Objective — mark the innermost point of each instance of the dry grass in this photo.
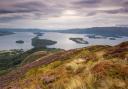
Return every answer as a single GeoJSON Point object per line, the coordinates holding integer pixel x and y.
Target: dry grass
{"type": "Point", "coordinates": [86, 69]}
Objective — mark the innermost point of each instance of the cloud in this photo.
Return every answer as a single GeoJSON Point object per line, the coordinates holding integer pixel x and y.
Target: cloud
{"type": "Point", "coordinates": [44, 10]}
{"type": "Point", "coordinates": [89, 1]}
{"type": "Point", "coordinates": [32, 6]}
{"type": "Point", "coordinates": [8, 19]}
{"type": "Point", "coordinates": [37, 8]}
{"type": "Point", "coordinates": [56, 7]}
{"type": "Point", "coordinates": [94, 7]}
{"type": "Point", "coordinates": [116, 11]}
{"type": "Point", "coordinates": [23, 7]}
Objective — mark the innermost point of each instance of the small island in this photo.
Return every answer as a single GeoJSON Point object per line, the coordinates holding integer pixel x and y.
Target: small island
{"type": "Point", "coordinates": [20, 41]}
{"type": "Point", "coordinates": [38, 33]}
{"type": "Point", "coordinates": [112, 38]}
{"type": "Point", "coordinates": [79, 40]}
{"type": "Point", "coordinates": [96, 37]}
{"type": "Point", "coordinates": [41, 43]}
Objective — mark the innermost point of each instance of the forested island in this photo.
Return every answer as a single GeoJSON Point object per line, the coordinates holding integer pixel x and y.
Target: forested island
{"type": "Point", "coordinates": [37, 42]}
{"type": "Point", "coordinates": [96, 37]}
{"type": "Point", "coordinates": [79, 40]}
{"type": "Point", "coordinates": [112, 38]}
{"type": "Point", "coordinates": [19, 41]}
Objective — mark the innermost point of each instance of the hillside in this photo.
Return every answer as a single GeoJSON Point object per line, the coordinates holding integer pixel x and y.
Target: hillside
{"type": "Point", "coordinates": [103, 31]}
{"type": "Point", "coordinates": [3, 33]}
{"type": "Point", "coordinates": [94, 67]}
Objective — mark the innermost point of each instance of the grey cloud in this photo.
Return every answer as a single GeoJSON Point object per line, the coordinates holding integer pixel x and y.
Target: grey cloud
{"type": "Point", "coordinates": [8, 19]}
{"type": "Point", "coordinates": [23, 8]}
{"type": "Point", "coordinates": [7, 11]}
{"type": "Point", "coordinates": [44, 9]}
{"type": "Point", "coordinates": [90, 7]}
{"type": "Point", "coordinates": [91, 13]}
{"type": "Point", "coordinates": [37, 8]}
{"type": "Point", "coordinates": [116, 11]}
{"type": "Point", "coordinates": [88, 2]}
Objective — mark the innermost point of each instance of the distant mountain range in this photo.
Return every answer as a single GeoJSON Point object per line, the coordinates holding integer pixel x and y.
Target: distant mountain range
{"type": "Point", "coordinates": [21, 30]}
{"type": "Point", "coordinates": [103, 31]}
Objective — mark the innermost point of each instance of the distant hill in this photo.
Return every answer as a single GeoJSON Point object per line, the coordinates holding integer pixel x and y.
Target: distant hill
{"type": "Point", "coordinates": [3, 33]}
{"type": "Point", "coordinates": [21, 30]}
{"type": "Point", "coordinates": [104, 31]}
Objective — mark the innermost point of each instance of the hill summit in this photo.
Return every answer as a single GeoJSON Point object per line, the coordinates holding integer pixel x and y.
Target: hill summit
{"type": "Point", "coordinates": [93, 67]}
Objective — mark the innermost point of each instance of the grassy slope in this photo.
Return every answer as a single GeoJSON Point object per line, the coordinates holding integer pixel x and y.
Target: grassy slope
{"type": "Point", "coordinates": [96, 67]}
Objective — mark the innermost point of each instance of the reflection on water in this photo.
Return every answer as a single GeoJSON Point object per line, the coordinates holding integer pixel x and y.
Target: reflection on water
{"type": "Point", "coordinates": [63, 42]}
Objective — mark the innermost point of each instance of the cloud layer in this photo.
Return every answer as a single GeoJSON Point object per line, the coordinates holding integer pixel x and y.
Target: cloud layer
{"type": "Point", "coordinates": [57, 13]}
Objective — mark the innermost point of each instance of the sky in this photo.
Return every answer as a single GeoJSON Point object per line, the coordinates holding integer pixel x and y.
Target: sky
{"type": "Point", "coordinates": [62, 14]}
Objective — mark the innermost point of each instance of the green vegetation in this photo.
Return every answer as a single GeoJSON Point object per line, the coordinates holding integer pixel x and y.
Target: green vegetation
{"type": "Point", "coordinates": [14, 58]}
{"type": "Point", "coordinates": [9, 59]}
{"type": "Point", "coordinates": [94, 67]}
{"type": "Point", "coordinates": [79, 40]}
{"type": "Point", "coordinates": [34, 56]}
{"type": "Point", "coordinates": [38, 43]}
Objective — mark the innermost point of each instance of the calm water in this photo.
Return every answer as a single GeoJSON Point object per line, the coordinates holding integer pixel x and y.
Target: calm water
{"type": "Point", "coordinates": [9, 41]}
{"type": "Point", "coordinates": [63, 42]}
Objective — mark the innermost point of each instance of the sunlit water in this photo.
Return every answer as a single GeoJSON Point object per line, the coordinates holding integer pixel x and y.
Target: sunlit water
{"type": "Point", "coordinates": [63, 42]}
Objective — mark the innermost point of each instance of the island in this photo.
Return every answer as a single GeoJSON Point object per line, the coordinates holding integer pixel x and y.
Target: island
{"type": "Point", "coordinates": [112, 38]}
{"type": "Point", "coordinates": [79, 40]}
{"type": "Point", "coordinates": [96, 37]}
{"type": "Point", "coordinates": [20, 41]}
{"type": "Point", "coordinates": [38, 33]}
{"type": "Point", "coordinates": [37, 42]}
